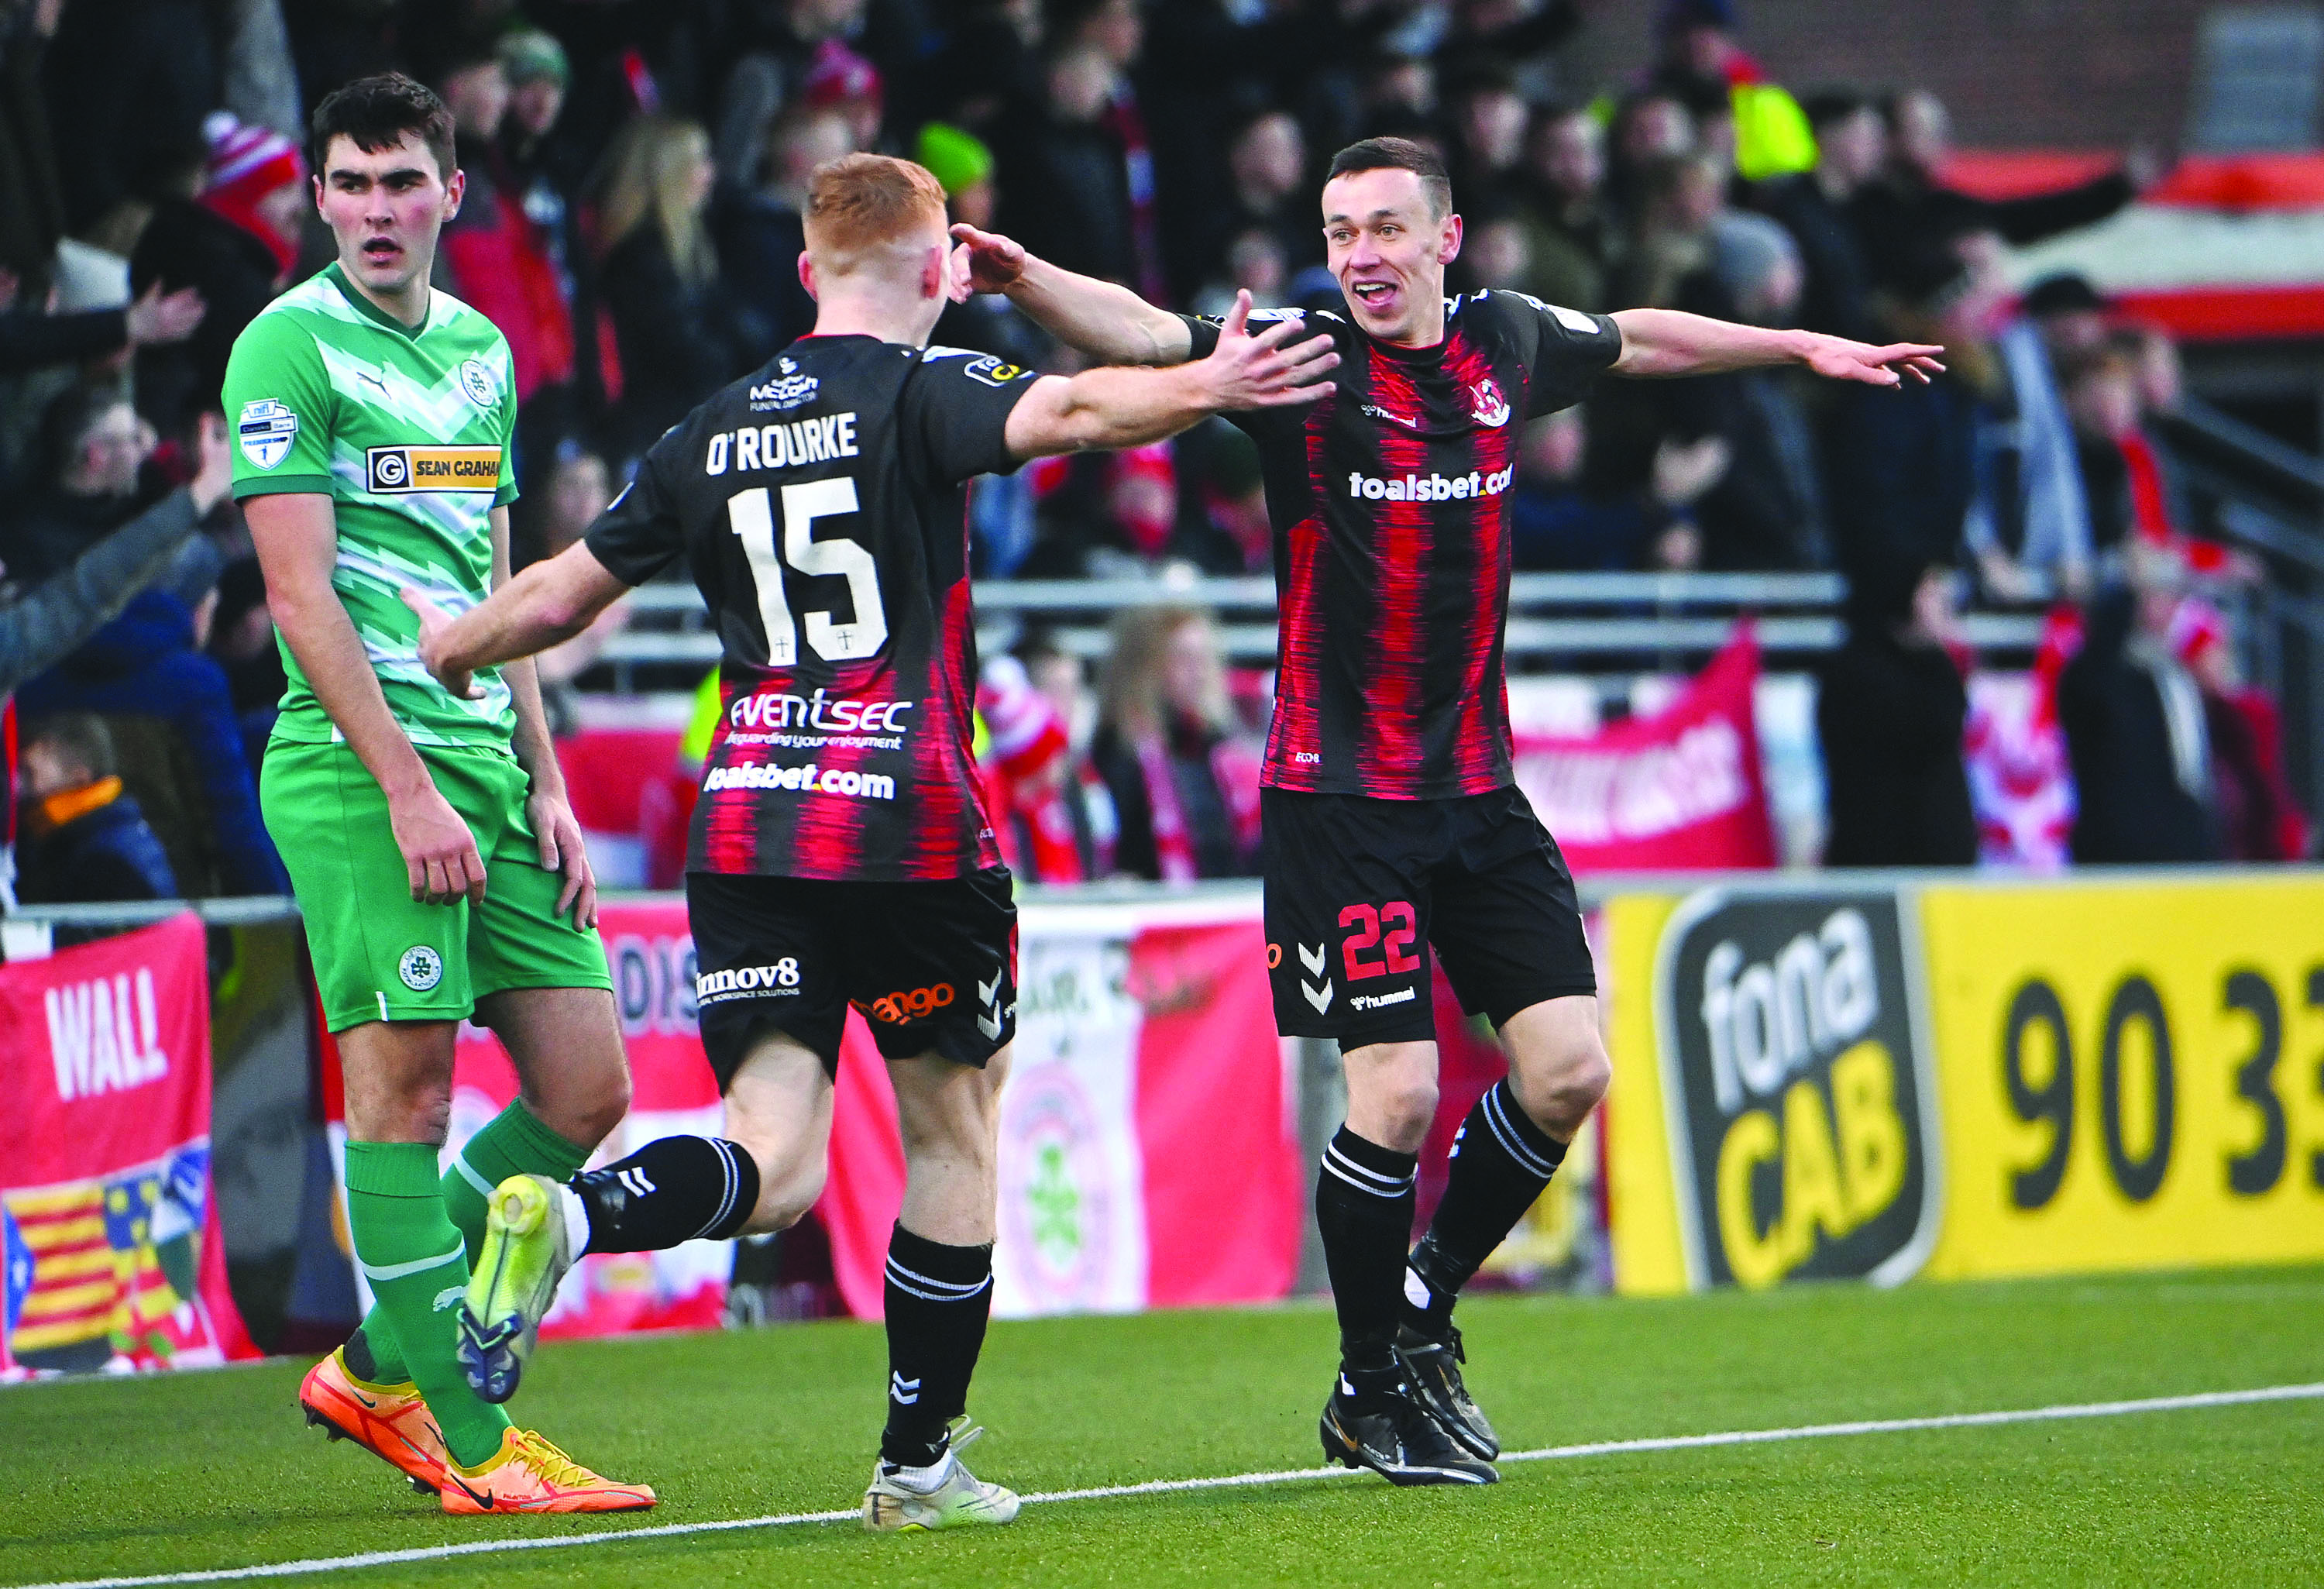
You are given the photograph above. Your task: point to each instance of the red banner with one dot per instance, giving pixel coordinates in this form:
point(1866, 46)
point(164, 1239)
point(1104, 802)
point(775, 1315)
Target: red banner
point(110, 1252)
point(1678, 792)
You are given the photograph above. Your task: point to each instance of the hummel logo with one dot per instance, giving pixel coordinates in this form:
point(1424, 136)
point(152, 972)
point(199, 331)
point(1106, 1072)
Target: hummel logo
point(633, 1181)
point(1320, 997)
point(906, 1391)
point(1377, 412)
point(988, 1019)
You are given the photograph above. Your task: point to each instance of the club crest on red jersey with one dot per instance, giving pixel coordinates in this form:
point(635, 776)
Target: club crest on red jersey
point(1486, 406)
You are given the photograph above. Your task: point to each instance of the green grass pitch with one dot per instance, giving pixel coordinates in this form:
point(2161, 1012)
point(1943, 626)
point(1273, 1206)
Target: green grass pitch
point(206, 1470)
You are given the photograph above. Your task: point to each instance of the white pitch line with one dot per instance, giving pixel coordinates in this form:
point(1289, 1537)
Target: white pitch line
point(1958, 1420)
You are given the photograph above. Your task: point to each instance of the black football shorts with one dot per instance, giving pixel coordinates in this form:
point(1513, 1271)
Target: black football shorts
point(1359, 890)
point(932, 966)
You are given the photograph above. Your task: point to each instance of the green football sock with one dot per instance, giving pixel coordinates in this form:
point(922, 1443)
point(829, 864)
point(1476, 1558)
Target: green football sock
point(515, 1143)
point(411, 1255)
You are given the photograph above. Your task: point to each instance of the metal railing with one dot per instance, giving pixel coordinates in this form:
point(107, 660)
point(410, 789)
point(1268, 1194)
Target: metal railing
point(1568, 621)
point(2266, 497)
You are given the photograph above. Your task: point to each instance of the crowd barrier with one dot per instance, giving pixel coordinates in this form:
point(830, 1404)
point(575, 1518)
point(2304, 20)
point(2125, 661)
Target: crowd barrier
point(1816, 1076)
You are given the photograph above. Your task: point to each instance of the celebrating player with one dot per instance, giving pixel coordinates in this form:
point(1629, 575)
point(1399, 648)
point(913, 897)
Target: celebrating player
point(374, 416)
point(1392, 827)
point(841, 853)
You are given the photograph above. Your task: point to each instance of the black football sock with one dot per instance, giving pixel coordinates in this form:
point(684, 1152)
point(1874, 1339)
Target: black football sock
point(1499, 1163)
point(670, 1191)
point(1364, 1208)
point(938, 1300)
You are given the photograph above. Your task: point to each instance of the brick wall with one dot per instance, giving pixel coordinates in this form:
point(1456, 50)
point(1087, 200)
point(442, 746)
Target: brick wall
point(2017, 73)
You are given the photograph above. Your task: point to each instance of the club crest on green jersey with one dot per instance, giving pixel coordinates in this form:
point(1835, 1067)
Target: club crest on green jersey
point(476, 381)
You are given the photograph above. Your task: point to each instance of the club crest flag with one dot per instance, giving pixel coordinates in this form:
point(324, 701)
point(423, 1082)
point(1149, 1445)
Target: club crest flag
point(110, 1252)
point(1148, 1155)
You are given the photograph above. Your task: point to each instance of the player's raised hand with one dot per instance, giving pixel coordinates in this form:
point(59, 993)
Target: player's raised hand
point(563, 850)
point(1269, 370)
point(1841, 359)
point(440, 853)
point(434, 621)
point(983, 262)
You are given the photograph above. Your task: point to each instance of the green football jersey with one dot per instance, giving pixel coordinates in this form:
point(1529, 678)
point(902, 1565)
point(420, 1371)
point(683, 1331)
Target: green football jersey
point(409, 433)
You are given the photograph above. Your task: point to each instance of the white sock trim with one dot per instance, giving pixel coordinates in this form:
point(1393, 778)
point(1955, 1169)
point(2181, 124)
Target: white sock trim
point(924, 1481)
point(576, 1219)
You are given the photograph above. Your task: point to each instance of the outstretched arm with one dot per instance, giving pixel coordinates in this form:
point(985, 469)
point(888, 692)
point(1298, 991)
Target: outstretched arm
point(1664, 342)
point(553, 600)
point(1108, 322)
point(1115, 408)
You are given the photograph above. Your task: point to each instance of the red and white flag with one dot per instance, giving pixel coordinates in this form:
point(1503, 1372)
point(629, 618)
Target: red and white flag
point(1681, 790)
point(1148, 1142)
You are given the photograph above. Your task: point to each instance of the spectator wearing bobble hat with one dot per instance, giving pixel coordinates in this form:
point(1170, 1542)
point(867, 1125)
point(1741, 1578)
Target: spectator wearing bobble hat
point(230, 230)
point(987, 321)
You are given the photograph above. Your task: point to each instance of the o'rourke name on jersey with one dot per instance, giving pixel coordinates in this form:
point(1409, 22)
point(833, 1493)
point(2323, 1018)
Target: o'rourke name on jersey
point(782, 446)
point(397, 469)
point(837, 780)
point(1430, 487)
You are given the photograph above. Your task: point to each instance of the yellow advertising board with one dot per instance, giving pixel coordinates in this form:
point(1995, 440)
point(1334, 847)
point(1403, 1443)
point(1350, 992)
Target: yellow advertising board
point(1772, 1117)
point(1641, 1190)
point(2131, 1074)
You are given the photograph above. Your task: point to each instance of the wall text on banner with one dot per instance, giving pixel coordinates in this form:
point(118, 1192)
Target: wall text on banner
point(2131, 1074)
point(110, 1252)
point(105, 1034)
point(1797, 1110)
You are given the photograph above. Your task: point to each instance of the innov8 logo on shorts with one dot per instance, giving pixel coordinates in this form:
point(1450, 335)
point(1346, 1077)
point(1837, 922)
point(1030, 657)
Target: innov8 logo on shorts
point(394, 470)
point(778, 981)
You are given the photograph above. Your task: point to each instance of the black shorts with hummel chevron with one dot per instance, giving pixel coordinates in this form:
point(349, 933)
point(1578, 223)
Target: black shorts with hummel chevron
point(1360, 890)
point(932, 967)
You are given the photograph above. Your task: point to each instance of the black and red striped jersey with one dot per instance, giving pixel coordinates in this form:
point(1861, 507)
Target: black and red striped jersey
point(1390, 504)
point(820, 504)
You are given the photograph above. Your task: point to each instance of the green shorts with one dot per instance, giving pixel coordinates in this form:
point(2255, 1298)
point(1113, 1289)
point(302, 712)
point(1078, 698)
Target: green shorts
point(379, 954)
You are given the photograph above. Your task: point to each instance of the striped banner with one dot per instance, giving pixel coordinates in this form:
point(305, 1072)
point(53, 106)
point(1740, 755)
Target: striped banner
point(109, 1256)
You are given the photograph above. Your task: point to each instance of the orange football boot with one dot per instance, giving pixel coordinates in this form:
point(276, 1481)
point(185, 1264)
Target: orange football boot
point(530, 1474)
point(390, 1421)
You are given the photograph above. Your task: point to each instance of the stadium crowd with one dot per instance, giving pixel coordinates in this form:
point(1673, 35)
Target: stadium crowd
point(635, 176)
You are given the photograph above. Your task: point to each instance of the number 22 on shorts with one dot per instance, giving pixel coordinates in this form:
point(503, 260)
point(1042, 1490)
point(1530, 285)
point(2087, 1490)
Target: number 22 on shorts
point(1392, 929)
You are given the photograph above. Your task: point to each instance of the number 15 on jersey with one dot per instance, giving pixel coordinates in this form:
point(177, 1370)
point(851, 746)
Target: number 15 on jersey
point(750, 514)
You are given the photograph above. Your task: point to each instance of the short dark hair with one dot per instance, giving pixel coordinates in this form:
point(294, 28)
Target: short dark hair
point(79, 737)
point(1824, 107)
point(67, 421)
point(2063, 292)
point(376, 112)
point(1401, 154)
